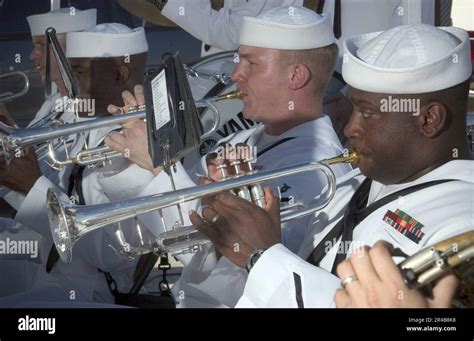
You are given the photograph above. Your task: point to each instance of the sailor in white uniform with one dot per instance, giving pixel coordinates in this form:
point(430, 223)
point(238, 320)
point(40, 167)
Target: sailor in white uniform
point(63, 20)
point(219, 30)
point(288, 136)
point(107, 45)
point(21, 274)
point(414, 185)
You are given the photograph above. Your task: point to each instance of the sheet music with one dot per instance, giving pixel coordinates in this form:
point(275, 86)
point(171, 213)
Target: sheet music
point(160, 100)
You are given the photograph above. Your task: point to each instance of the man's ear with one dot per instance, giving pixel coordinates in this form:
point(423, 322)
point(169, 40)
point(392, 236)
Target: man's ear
point(299, 76)
point(122, 74)
point(433, 119)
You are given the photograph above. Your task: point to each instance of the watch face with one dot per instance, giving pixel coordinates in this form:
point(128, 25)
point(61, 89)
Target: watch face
point(255, 258)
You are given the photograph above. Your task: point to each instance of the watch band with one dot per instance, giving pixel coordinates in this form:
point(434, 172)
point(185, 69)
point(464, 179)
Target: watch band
point(253, 258)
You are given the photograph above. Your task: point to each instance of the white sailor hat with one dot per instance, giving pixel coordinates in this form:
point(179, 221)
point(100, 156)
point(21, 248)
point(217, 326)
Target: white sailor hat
point(287, 28)
point(63, 20)
point(407, 59)
point(106, 40)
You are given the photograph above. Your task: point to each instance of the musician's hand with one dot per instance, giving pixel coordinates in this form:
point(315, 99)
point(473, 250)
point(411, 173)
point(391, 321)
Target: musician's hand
point(130, 101)
point(379, 283)
point(22, 172)
point(236, 227)
point(226, 154)
point(133, 141)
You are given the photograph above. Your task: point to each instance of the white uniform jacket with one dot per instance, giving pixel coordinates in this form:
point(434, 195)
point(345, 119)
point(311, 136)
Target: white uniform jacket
point(219, 29)
point(442, 210)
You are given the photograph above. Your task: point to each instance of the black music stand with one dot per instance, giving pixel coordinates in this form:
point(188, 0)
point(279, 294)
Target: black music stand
point(174, 126)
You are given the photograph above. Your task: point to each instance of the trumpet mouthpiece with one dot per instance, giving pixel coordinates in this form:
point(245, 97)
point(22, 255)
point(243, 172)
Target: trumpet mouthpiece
point(35, 68)
point(348, 157)
point(231, 95)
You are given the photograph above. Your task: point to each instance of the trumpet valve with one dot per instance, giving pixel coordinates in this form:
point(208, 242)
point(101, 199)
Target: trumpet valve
point(223, 170)
point(138, 108)
point(258, 195)
point(242, 192)
point(256, 190)
point(236, 166)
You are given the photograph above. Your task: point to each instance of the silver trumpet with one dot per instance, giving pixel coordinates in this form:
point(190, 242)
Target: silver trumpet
point(102, 154)
point(8, 96)
point(14, 140)
point(41, 150)
point(70, 222)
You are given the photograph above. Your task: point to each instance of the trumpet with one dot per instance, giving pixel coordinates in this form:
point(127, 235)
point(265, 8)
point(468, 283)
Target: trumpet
point(8, 96)
point(13, 139)
point(68, 222)
point(100, 155)
point(454, 254)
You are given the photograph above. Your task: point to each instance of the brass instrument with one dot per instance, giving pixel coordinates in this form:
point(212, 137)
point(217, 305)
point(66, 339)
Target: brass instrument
point(429, 264)
point(94, 156)
point(42, 150)
point(70, 222)
point(8, 96)
point(13, 139)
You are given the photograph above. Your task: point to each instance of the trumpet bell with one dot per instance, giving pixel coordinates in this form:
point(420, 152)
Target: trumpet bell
point(7, 150)
point(63, 237)
point(8, 95)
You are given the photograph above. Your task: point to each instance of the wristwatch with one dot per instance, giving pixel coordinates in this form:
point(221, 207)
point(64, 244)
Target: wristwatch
point(253, 258)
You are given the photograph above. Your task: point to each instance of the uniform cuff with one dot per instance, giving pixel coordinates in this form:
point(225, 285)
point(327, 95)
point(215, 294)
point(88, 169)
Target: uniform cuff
point(126, 184)
point(272, 282)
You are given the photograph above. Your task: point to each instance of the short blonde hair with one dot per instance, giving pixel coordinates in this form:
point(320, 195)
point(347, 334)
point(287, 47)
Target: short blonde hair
point(321, 61)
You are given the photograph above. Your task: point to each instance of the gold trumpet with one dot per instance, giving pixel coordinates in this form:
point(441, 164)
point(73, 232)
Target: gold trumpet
point(429, 264)
point(8, 96)
point(69, 222)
